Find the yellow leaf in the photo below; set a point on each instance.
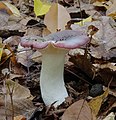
(41, 8)
(81, 23)
(56, 18)
(14, 10)
(96, 102)
(1, 48)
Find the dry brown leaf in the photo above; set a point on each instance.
(45, 32)
(3, 19)
(79, 110)
(25, 20)
(110, 5)
(12, 8)
(19, 91)
(106, 36)
(102, 3)
(20, 117)
(22, 103)
(112, 66)
(33, 31)
(36, 57)
(12, 41)
(23, 56)
(56, 18)
(112, 10)
(3, 7)
(104, 40)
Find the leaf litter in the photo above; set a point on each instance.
(95, 66)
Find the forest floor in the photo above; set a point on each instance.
(89, 73)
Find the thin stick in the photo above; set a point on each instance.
(80, 12)
(11, 98)
(78, 76)
(5, 98)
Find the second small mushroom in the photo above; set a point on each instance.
(54, 48)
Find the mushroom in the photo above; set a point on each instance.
(53, 48)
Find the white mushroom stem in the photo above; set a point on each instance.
(51, 78)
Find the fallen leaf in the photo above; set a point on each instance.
(4, 7)
(12, 41)
(57, 17)
(1, 49)
(111, 11)
(20, 117)
(46, 32)
(41, 8)
(111, 116)
(12, 8)
(19, 91)
(23, 56)
(104, 40)
(3, 19)
(81, 23)
(37, 57)
(96, 102)
(109, 5)
(79, 110)
(22, 103)
(104, 3)
(112, 66)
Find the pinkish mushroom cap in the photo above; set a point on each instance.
(33, 42)
(68, 39)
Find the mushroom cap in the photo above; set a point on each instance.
(68, 39)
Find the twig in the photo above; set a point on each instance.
(78, 76)
(58, 111)
(4, 91)
(80, 12)
(11, 98)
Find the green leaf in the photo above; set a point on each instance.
(41, 8)
(81, 23)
